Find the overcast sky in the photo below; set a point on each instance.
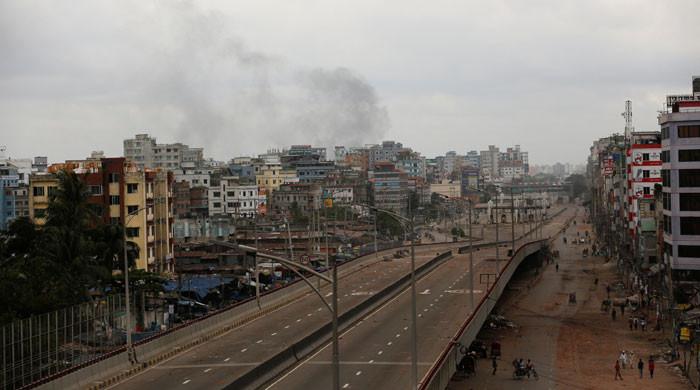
(240, 77)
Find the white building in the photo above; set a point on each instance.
(146, 153)
(231, 198)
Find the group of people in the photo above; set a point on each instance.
(651, 365)
(522, 368)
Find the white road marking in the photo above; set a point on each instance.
(207, 370)
(242, 350)
(186, 382)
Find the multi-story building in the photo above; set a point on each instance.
(319, 153)
(9, 183)
(120, 193)
(511, 169)
(389, 187)
(680, 154)
(518, 157)
(309, 171)
(469, 180)
(341, 195)
(305, 197)
(272, 176)
(387, 151)
(489, 163)
(146, 153)
(451, 189)
(412, 163)
(472, 159)
(229, 197)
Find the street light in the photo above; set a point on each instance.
(129, 345)
(405, 223)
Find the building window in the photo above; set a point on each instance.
(645, 174)
(689, 201)
(114, 199)
(132, 209)
(97, 209)
(95, 190)
(689, 131)
(665, 156)
(132, 232)
(689, 177)
(690, 226)
(689, 155)
(688, 251)
(664, 133)
(132, 188)
(52, 190)
(114, 221)
(665, 178)
(217, 204)
(40, 213)
(647, 190)
(113, 178)
(666, 197)
(38, 191)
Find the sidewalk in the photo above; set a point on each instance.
(573, 346)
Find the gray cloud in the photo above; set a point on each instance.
(239, 77)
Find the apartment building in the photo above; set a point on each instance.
(680, 155)
(272, 176)
(389, 187)
(9, 183)
(304, 196)
(229, 197)
(147, 153)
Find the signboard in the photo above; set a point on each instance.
(684, 335)
(608, 166)
(672, 99)
(328, 202)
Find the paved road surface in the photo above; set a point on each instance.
(375, 354)
(216, 363)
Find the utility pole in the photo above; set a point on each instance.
(471, 257)
(336, 346)
(257, 277)
(512, 223)
(498, 244)
(414, 320)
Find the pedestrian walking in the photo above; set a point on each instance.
(640, 366)
(643, 324)
(494, 364)
(631, 322)
(614, 314)
(617, 370)
(622, 310)
(636, 324)
(651, 367)
(556, 266)
(607, 289)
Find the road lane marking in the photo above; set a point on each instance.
(186, 382)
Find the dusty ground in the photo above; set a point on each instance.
(573, 346)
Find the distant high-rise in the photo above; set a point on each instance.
(146, 153)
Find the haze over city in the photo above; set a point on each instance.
(238, 78)
(314, 195)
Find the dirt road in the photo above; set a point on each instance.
(573, 346)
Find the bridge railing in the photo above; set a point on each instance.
(440, 373)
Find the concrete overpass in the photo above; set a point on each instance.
(234, 348)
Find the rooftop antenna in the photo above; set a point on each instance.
(628, 119)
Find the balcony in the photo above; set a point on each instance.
(149, 217)
(149, 195)
(151, 239)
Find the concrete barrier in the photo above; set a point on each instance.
(440, 373)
